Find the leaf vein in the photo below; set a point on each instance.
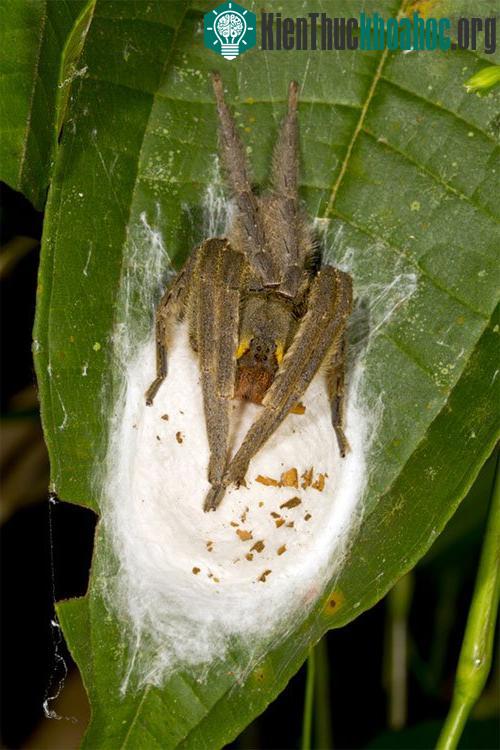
(431, 103)
(360, 123)
(348, 220)
(450, 188)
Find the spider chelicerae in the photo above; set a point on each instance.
(264, 312)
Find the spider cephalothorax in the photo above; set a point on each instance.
(264, 313)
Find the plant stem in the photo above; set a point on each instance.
(396, 667)
(322, 715)
(476, 653)
(308, 703)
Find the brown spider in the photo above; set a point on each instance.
(264, 313)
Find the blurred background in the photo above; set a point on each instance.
(384, 681)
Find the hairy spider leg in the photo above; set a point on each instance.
(209, 287)
(335, 379)
(214, 312)
(248, 213)
(321, 330)
(285, 184)
(170, 307)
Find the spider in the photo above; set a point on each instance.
(264, 312)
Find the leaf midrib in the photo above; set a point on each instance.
(359, 125)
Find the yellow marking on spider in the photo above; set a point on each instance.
(280, 352)
(243, 347)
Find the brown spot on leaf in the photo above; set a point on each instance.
(165, 417)
(298, 408)
(334, 602)
(179, 437)
(281, 549)
(279, 522)
(196, 571)
(307, 517)
(424, 8)
(259, 674)
(249, 556)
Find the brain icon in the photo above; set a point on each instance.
(229, 25)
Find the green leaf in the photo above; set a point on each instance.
(402, 165)
(40, 44)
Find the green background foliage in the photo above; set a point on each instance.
(400, 162)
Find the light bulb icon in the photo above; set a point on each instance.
(229, 30)
(230, 27)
